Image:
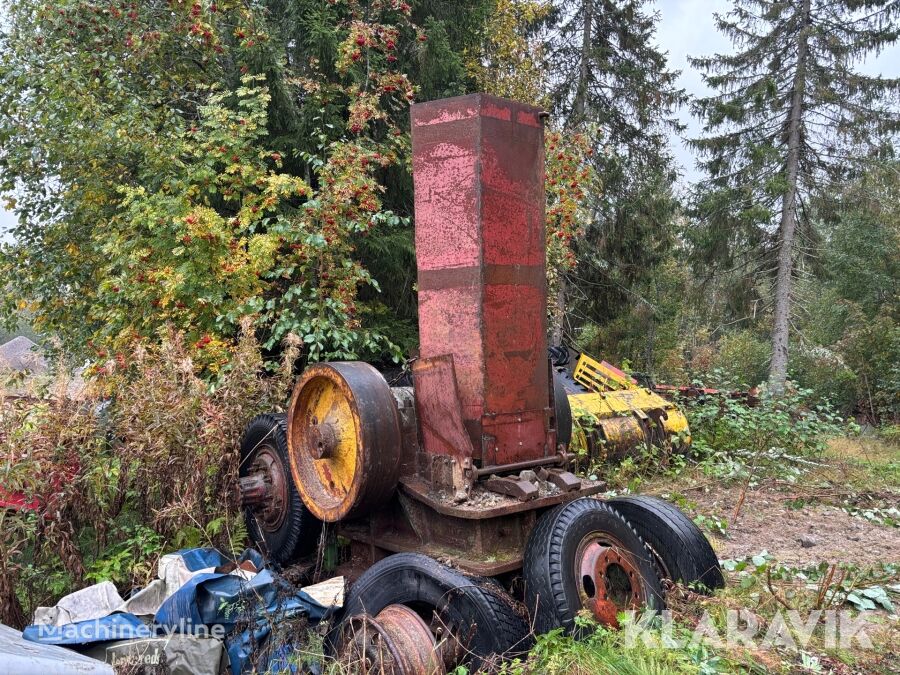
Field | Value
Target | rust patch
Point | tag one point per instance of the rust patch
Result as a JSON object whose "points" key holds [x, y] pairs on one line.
{"points": [[480, 249]]}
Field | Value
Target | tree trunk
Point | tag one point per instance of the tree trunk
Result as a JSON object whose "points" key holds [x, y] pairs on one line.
{"points": [[788, 227], [579, 105], [557, 330]]}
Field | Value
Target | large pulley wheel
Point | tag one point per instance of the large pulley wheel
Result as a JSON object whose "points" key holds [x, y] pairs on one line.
{"points": [[469, 620], [277, 520], [585, 555], [344, 438], [684, 554], [562, 410]]}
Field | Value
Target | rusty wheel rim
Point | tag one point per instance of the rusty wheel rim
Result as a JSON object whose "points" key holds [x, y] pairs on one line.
{"points": [[365, 646], [343, 439], [608, 578], [395, 642], [265, 489], [412, 639]]}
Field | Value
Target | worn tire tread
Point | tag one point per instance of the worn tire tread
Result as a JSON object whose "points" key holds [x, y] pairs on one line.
{"points": [[543, 566], [507, 629], [302, 533], [691, 558]]}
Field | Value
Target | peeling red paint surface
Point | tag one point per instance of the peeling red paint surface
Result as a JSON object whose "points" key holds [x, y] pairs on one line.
{"points": [[500, 112], [480, 247]]}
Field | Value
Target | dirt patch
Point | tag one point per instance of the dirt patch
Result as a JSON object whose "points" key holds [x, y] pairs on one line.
{"points": [[808, 535]]}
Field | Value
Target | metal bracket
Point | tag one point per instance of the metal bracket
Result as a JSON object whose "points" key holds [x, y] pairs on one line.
{"points": [[520, 489], [564, 480]]}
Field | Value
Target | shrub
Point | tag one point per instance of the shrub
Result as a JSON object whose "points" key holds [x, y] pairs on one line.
{"points": [[872, 349], [743, 356], [824, 372], [781, 435], [141, 461]]}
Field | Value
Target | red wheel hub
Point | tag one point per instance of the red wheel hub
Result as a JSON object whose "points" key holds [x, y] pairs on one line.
{"points": [[608, 578], [265, 489]]}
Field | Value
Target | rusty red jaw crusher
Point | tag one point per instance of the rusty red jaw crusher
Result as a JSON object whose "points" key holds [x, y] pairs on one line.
{"points": [[469, 466]]}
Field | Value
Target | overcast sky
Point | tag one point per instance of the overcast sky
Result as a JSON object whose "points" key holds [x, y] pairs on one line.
{"points": [[686, 27], [6, 221]]}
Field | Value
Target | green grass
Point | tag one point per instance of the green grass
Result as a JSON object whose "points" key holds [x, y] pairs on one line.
{"points": [[629, 651]]}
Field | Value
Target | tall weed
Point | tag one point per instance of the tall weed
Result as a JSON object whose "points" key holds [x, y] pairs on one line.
{"points": [[140, 461], [782, 435]]}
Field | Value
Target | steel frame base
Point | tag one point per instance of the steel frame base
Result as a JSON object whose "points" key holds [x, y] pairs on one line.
{"points": [[485, 535]]}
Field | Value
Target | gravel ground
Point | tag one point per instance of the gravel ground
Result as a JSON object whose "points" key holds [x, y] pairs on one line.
{"points": [[812, 534]]}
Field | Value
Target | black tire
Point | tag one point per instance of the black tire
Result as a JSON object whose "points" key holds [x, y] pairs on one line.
{"points": [[482, 611], [684, 552], [563, 410], [551, 587], [298, 533]]}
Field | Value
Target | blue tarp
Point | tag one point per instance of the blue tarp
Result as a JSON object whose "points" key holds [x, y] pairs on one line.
{"points": [[227, 600], [206, 600], [120, 626]]}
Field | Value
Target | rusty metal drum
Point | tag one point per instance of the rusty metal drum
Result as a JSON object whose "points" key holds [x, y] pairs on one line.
{"points": [[344, 439]]}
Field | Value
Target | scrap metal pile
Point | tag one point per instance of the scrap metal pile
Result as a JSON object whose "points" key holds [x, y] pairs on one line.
{"points": [[457, 493]]}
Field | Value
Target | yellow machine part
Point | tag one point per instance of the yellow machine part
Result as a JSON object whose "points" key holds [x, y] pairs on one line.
{"points": [[343, 439], [628, 415], [600, 375], [337, 471]]}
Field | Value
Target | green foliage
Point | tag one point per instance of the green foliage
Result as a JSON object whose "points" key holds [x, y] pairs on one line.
{"points": [[818, 586], [455, 32], [618, 81], [889, 517], [130, 560], [824, 371], [18, 326], [141, 462], [780, 436], [862, 225], [603, 650], [741, 358], [162, 191], [872, 349], [712, 524], [790, 119]]}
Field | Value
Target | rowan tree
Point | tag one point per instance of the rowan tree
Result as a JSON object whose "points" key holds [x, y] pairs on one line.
{"points": [[145, 149]]}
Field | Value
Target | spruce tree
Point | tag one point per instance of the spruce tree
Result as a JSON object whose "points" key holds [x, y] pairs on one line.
{"points": [[609, 76], [790, 113]]}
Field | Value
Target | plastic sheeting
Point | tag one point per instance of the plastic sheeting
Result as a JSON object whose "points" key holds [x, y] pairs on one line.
{"points": [[172, 654], [230, 601], [20, 657], [233, 603], [93, 602], [112, 627]]}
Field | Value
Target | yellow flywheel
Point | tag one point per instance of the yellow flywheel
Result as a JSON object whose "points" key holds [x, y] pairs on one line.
{"points": [[344, 439]]}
